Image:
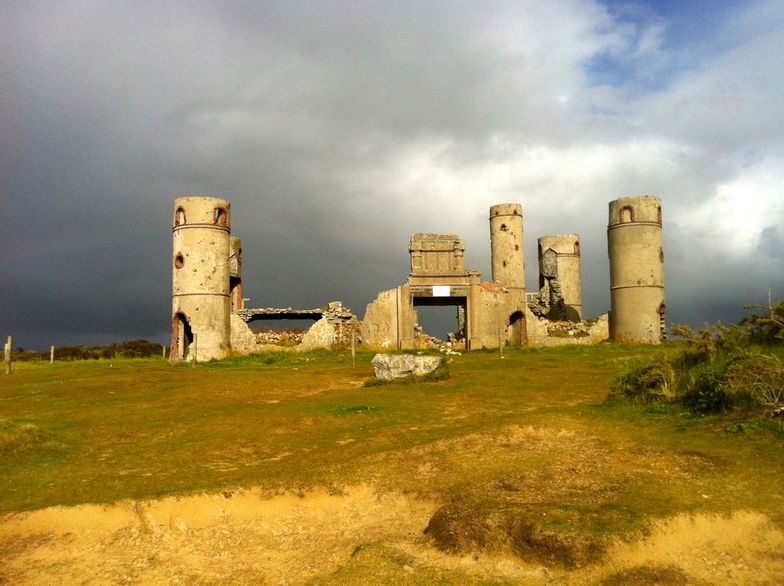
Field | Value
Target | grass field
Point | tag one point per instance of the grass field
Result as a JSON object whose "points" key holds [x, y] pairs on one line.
{"points": [[519, 454]]}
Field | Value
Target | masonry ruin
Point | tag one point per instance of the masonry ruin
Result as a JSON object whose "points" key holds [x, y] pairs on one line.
{"points": [[210, 320]]}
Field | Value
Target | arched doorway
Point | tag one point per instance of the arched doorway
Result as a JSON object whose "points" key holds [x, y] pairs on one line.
{"points": [[182, 337], [515, 332]]}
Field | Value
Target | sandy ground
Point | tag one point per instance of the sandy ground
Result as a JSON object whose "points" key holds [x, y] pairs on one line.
{"points": [[246, 538]]}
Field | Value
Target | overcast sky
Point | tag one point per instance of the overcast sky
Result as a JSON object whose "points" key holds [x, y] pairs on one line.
{"points": [[337, 129]]}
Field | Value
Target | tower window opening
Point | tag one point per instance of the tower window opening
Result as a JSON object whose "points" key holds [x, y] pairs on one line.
{"points": [[659, 214], [504, 228], [220, 217], [661, 255], [517, 247], [662, 322], [179, 261], [179, 217], [577, 248], [627, 214]]}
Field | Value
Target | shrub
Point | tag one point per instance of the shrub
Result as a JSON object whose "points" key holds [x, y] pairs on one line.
{"points": [[703, 390], [647, 383], [757, 381], [718, 371], [768, 327]]}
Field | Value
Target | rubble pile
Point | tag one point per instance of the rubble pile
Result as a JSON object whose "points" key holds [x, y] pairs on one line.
{"points": [[424, 341], [291, 337]]}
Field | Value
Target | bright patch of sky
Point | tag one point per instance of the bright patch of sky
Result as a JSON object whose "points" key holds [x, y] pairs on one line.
{"points": [[662, 39]]}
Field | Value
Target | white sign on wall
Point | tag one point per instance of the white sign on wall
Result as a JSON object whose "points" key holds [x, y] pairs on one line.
{"points": [[441, 291]]}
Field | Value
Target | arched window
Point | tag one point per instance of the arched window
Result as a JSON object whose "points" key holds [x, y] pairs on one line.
{"points": [[179, 217], [627, 214], [179, 261], [220, 218]]}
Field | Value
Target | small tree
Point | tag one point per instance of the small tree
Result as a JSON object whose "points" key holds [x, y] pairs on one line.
{"points": [[766, 327]]}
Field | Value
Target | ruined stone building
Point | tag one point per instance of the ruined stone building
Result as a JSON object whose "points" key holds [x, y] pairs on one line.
{"points": [[488, 313], [209, 319], [560, 294]]}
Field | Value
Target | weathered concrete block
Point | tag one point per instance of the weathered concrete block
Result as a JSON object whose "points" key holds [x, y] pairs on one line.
{"points": [[390, 366]]}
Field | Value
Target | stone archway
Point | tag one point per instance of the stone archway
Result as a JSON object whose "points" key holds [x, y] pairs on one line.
{"points": [[516, 332], [182, 337]]}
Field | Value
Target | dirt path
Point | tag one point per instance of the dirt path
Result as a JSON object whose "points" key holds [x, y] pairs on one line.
{"points": [[245, 538]]}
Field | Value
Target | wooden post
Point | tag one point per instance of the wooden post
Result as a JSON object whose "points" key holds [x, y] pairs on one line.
{"points": [[353, 346], [8, 345], [195, 347], [51, 355], [164, 352]]}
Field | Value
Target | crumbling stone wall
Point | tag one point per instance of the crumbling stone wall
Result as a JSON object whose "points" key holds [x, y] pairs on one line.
{"points": [[560, 286], [546, 332], [379, 328]]}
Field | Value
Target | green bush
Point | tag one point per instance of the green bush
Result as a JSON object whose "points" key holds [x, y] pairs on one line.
{"points": [[720, 369], [703, 391], [646, 383]]}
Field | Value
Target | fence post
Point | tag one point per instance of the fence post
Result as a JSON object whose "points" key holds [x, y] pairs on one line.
{"points": [[353, 346], [8, 345], [51, 355]]}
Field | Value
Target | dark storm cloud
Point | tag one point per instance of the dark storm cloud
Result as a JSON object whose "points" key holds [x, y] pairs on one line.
{"points": [[337, 129]]}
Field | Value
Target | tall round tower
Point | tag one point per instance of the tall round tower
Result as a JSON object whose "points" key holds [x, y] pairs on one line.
{"points": [[508, 262], [506, 245], [200, 278], [634, 240], [559, 259]]}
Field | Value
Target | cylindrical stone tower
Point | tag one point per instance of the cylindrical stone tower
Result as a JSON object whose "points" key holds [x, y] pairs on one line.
{"points": [[508, 262], [565, 251], [200, 278], [506, 245], [634, 240]]}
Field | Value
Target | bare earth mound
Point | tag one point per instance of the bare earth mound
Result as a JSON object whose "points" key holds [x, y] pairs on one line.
{"points": [[245, 538]]}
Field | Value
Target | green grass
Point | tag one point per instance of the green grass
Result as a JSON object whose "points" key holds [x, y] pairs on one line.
{"points": [[528, 437]]}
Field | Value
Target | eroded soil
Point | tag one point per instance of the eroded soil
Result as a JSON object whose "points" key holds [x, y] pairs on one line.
{"points": [[246, 537]]}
